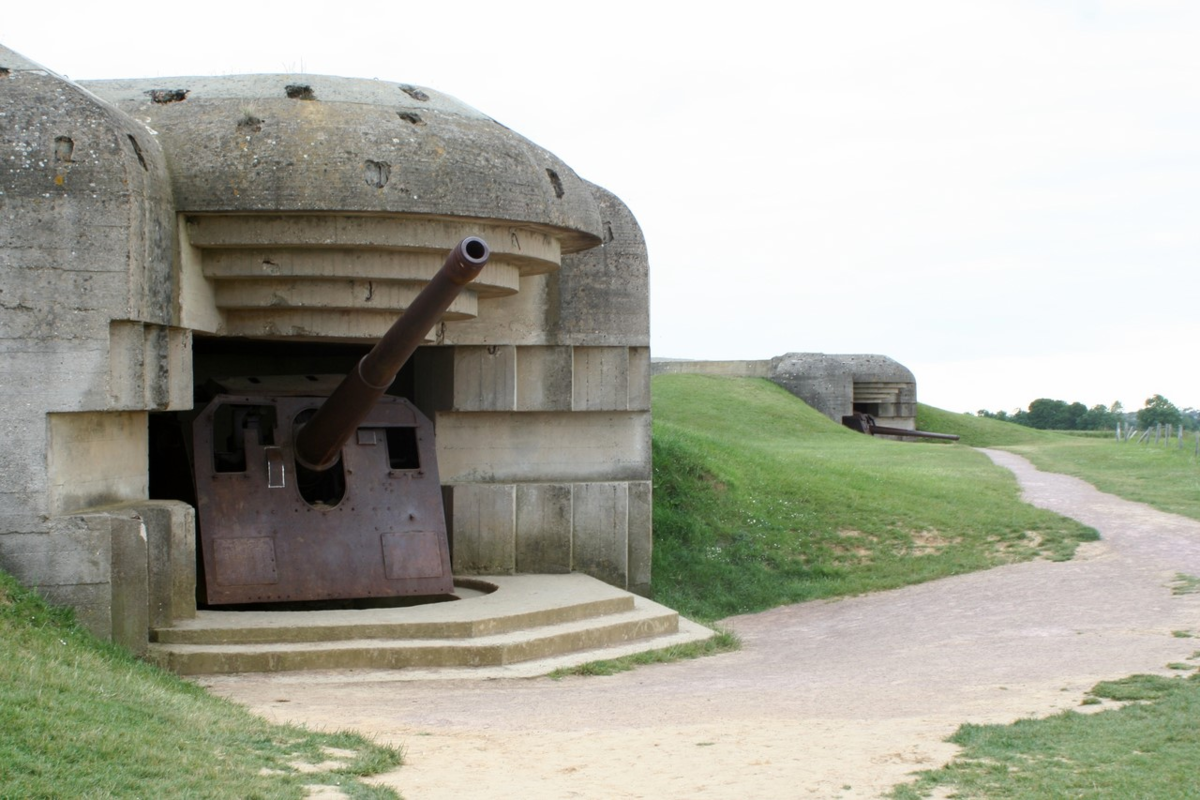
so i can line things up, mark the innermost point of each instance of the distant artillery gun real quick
(865, 423)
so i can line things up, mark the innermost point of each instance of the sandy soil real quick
(837, 699)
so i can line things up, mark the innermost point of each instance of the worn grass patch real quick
(1148, 749)
(82, 718)
(759, 501)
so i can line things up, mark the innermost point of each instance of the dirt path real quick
(827, 699)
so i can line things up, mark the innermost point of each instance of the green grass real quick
(761, 501)
(82, 718)
(1185, 584)
(1163, 476)
(1148, 749)
(722, 642)
(981, 431)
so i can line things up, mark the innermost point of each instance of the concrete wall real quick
(721, 369)
(544, 442)
(88, 343)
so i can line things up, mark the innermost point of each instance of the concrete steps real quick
(533, 620)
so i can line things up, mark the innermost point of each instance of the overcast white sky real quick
(1003, 196)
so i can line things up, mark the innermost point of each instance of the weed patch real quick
(1185, 584)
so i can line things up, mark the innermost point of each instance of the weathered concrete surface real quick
(87, 343)
(721, 369)
(543, 528)
(837, 385)
(603, 293)
(567, 347)
(95, 563)
(170, 533)
(827, 699)
(78, 443)
(85, 249)
(543, 448)
(248, 143)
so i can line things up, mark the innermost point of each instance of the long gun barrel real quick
(865, 423)
(885, 431)
(319, 443)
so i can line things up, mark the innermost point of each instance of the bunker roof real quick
(316, 143)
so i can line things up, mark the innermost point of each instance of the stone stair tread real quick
(644, 611)
(518, 602)
(549, 621)
(688, 633)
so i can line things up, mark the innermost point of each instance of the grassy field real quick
(1164, 476)
(759, 501)
(80, 718)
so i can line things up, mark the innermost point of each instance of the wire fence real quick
(1158, 436)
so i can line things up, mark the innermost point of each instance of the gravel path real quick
(826, 699)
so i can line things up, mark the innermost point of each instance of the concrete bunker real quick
(836, 385)
(163, 235)
(840, 385)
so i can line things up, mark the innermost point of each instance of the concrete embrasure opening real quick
(255, 366)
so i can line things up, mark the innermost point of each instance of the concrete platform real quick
(542, 622)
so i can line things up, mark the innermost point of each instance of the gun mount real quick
(865, 423)
(310, 491)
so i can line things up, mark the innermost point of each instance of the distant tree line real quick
(1059, 415)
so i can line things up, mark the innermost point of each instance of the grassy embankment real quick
(759, 501)
(81, 718)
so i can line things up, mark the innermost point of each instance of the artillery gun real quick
(865, 423)
(307, 491)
